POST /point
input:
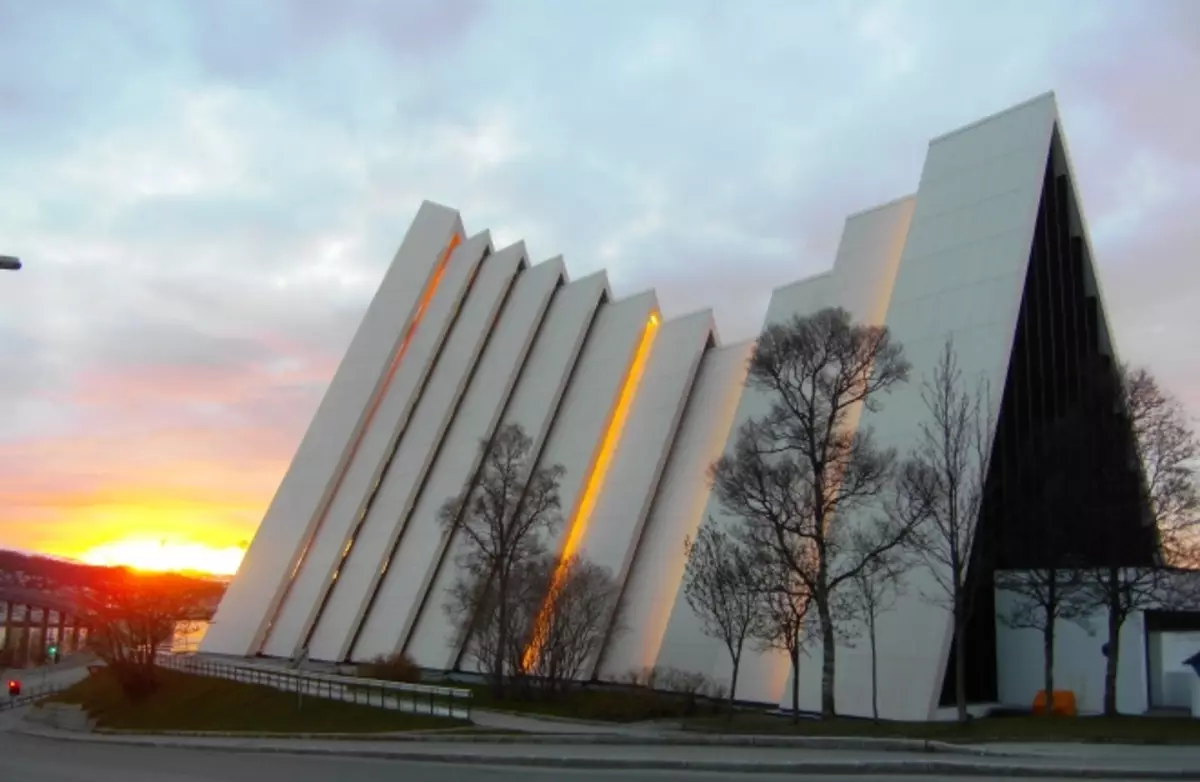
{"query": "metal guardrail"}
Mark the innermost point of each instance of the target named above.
(9, 702)
(435, 701)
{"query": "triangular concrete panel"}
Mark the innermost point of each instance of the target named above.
(961, 275)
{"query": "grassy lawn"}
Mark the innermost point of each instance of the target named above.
(188, 702)
(1118, 730)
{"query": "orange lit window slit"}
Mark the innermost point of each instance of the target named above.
(431, 286)
(600, 464)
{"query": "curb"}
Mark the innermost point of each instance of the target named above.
(914, 746)
(914, 767)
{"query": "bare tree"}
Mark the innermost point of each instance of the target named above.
(1044, 597)
(504, 519)
(1137, 455)
(572, 624)
(807, 461)
(132, 619)
(784, 622)
(499, 636)
(722, 586)
(941, 485)
(873, 592)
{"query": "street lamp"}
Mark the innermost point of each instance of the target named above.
(9, 262)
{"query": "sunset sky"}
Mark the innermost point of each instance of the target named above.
(205, 195)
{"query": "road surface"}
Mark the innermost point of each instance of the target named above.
(41, 760)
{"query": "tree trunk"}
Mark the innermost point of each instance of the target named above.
(501, 641)
(874, 670)
(1114, 648)
(960, 661)
(737, 663)
(795, 655)
(828, 652)
(1048, 660)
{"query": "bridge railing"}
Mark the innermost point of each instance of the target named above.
(452, 702)
(28, 696)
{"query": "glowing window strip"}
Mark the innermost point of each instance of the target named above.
(599, 472)
(431, 286)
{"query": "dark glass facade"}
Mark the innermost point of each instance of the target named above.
(1037, 511)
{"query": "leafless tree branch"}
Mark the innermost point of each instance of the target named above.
(806, 460)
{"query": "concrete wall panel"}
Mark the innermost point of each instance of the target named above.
(403, 581)
(637, 464)
(619, 517)
(434, 640)
(868, 259)
(656, 571)
(291, 519)
(590, 426)
(684, 646)
(388, 517)
(362, 476)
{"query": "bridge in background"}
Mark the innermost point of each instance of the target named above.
(34, 622)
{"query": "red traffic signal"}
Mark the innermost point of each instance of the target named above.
(14, 688)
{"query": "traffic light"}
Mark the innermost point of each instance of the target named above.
(14, 688)
(52, 653)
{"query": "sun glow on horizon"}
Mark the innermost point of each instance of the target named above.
(166, 555)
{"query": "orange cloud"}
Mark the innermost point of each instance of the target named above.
(159, 467)
(103, 498)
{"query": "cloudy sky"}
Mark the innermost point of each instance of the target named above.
(206, 193)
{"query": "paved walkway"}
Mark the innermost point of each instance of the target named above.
(522, 723)
(483, 718)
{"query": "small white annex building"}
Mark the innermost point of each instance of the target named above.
(350, 562)
(1152, 669)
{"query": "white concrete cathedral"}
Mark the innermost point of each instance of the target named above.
(350, 562)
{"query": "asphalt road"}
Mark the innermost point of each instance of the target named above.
(41, 760)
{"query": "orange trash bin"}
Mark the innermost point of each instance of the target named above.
(1062, 703)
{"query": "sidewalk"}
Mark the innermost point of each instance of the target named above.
(522, 723)
(608, 752)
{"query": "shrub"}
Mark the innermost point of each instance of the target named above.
(671, 692)
(643, 677)
(691, 686)
(392, 668)
(137, 681)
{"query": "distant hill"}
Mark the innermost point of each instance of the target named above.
(43, 573)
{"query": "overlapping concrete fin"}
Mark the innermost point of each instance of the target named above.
(434, 640)
(403, 580)
(619, 521)
(289, 524)
(387, 515)
(358, 485)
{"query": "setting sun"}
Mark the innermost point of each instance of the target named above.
(164, 555)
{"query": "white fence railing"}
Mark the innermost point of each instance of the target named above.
(453, 702)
